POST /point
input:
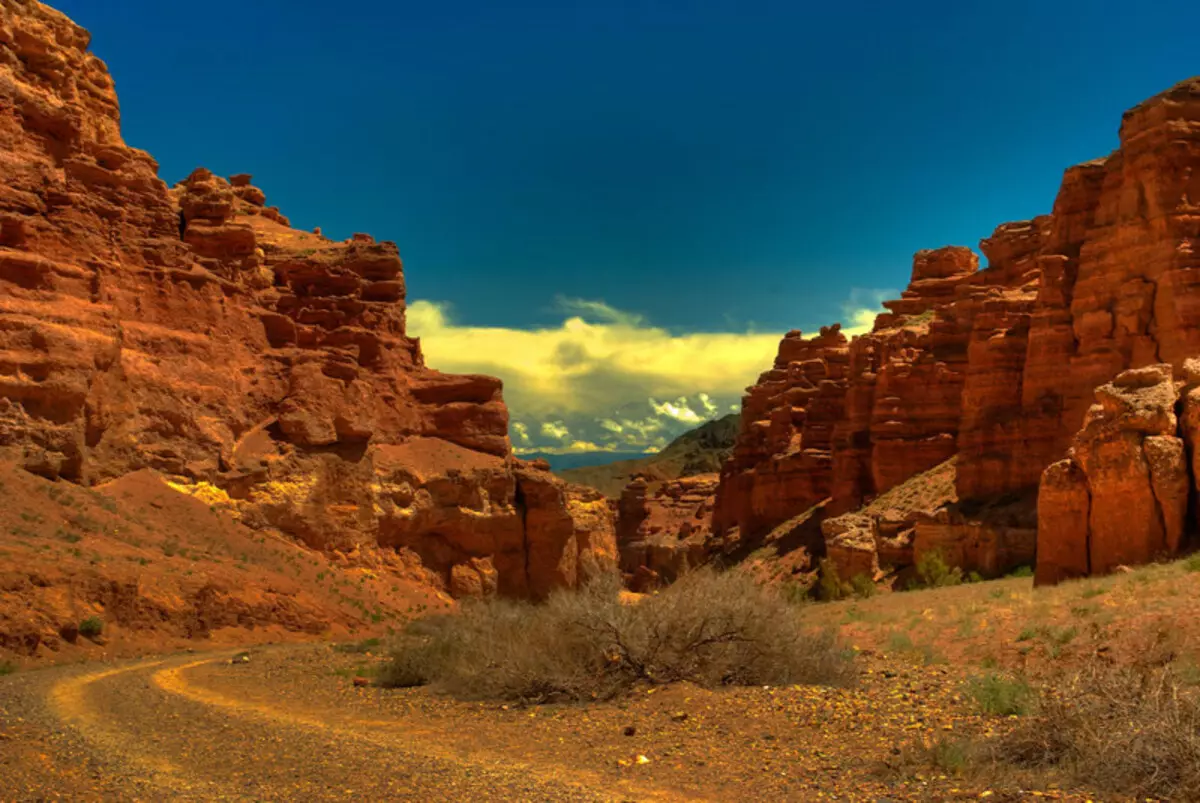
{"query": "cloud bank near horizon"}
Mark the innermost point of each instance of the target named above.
(605, 379)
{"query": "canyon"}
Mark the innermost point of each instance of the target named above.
(276, 555)
(188, 338)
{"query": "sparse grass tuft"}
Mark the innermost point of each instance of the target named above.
(830, 586)
(708, 628)
(91, 627)
(951, 756)
(1003, 696)
(862, 586)
(7, 668)
(366, 645)
(900, 642)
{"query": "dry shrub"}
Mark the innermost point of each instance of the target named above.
(1125, 730)
(708, 628)
(1128, 730)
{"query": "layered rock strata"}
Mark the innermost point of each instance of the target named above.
(994, 367)
(782, 461)
(664, 528)
(190, 330)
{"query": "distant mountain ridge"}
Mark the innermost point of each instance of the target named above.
(698, 451)
(576, 460)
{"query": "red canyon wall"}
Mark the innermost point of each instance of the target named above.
(192, 331)
(994, 367)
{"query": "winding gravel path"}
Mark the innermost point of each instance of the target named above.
(149, 731)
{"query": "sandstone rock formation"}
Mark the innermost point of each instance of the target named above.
(665, 530)
(995, 368)
(190, 330)
(888, 538)
(782, 461)
(1121, 496)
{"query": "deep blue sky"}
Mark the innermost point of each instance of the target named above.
(708, 164)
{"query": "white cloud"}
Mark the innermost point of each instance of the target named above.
(590, 378)
(556, 430)
(678, 409)
(710, 407)
(597, 311)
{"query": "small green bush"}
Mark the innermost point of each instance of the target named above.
(934, 572)
(830, 586)
(951, 756)
(795, 593)
(91, 627)
(1003, 696)
(1021, 571)
(1192, 564)
(862, 586)
(7, 668)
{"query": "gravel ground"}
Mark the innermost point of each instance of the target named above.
(127, 738)
(292, 725)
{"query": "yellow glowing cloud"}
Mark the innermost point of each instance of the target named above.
(595, 381)
(583, 367)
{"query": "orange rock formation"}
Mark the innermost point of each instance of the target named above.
(664, 533)
(1121, 496)
(190, 330)
(996, 368)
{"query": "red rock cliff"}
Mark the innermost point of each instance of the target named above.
(782, 462)
(994, 367)
(192, 331)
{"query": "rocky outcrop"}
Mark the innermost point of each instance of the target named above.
(665, 528)
(850, 420)
(996, 368)
(190, 330)
(906, 384)
(1121, 495)
(782, 461)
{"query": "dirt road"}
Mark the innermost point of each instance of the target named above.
(151, 730)
(292, 725)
